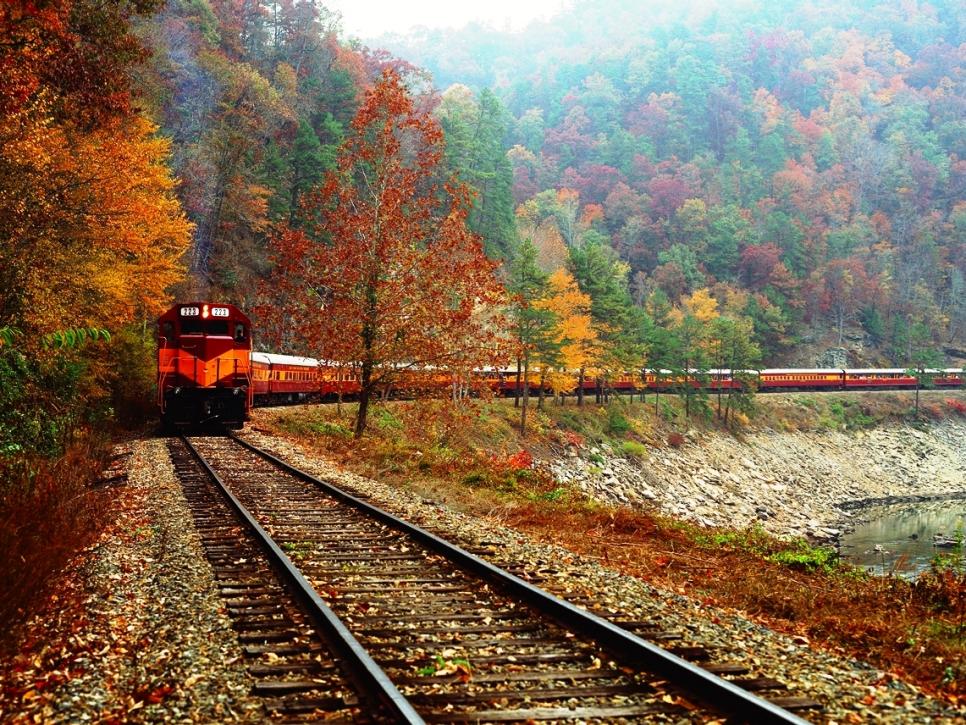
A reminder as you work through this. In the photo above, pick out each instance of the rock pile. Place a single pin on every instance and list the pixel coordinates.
(794, 484)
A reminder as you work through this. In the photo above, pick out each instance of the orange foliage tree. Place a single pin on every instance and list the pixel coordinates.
(384, 272)
(91, 233)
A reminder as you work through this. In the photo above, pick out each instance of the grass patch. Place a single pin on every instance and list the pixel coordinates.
(633, 449)
(847, 415)
(617, 423)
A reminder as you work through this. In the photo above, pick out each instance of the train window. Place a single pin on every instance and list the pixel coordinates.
(190, 326)
(239, 332)
(167, 329)
(217, 327)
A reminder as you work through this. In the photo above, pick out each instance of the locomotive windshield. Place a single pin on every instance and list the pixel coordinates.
(190, 326)
(217, 327)
(204, 327)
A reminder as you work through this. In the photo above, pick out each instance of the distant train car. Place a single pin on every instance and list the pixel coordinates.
(801, 379)
(204, 365)
(285, 378)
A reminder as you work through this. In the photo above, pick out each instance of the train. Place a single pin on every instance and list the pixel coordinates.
(208, 372)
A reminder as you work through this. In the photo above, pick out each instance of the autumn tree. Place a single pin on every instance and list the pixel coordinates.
(925, 358)
(689, 354)
(846, 290)
(732, 347)
(384, 260)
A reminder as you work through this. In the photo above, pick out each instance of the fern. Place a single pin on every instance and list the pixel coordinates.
(60, 339)
(8, 335)
(74, 337)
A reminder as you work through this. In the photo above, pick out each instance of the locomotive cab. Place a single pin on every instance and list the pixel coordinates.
(204, 365)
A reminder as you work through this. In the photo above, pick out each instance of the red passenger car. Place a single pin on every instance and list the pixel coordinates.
(285, 378)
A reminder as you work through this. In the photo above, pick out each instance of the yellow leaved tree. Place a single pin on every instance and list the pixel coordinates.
(574, 332)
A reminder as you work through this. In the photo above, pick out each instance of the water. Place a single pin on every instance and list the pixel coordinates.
(893, 528)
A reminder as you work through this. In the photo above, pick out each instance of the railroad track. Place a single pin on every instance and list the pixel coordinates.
(387, 621)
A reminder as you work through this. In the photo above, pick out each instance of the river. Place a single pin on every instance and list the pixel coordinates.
(904, 536)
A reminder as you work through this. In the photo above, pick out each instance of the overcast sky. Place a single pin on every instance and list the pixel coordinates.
(369, 18)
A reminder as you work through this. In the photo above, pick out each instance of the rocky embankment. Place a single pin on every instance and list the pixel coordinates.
(795, 484)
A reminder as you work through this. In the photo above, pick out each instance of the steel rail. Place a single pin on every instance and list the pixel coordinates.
(622, 645)
(362, 667)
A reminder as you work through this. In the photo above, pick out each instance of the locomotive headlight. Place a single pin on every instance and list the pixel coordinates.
(204, 312)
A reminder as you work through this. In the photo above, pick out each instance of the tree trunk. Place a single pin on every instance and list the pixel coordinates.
(719, 393)
(516, 392)
(541, 394)
(580, 387)
(526, 394)
(365, 392)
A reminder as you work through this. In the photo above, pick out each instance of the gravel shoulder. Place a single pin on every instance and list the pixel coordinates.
(136, 632)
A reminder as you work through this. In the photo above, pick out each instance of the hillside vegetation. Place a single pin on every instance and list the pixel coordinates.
(806, 158)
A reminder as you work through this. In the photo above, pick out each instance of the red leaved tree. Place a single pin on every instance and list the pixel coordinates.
(384, 273)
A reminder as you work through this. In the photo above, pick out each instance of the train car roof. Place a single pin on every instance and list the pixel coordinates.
(789, 371)
(272, 358)
(867, 371)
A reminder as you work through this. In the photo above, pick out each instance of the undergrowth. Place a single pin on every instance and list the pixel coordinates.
(48, 512)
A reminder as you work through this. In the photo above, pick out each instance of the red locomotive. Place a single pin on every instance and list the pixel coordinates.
(208, 372)
(204, 365)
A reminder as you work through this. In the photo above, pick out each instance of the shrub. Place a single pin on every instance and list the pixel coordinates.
(633, 448)
(675, 439)
(573, 439)
(554, 495)
(47, 513)
(956, 406)
(474, 478)
(667, 411)
(520, 461)
(933, 410)
(133, 390)
(617, 424)
(807, 557)
(40, 404)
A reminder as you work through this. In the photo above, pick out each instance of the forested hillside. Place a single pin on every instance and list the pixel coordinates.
(804, 161)
(800, 163)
